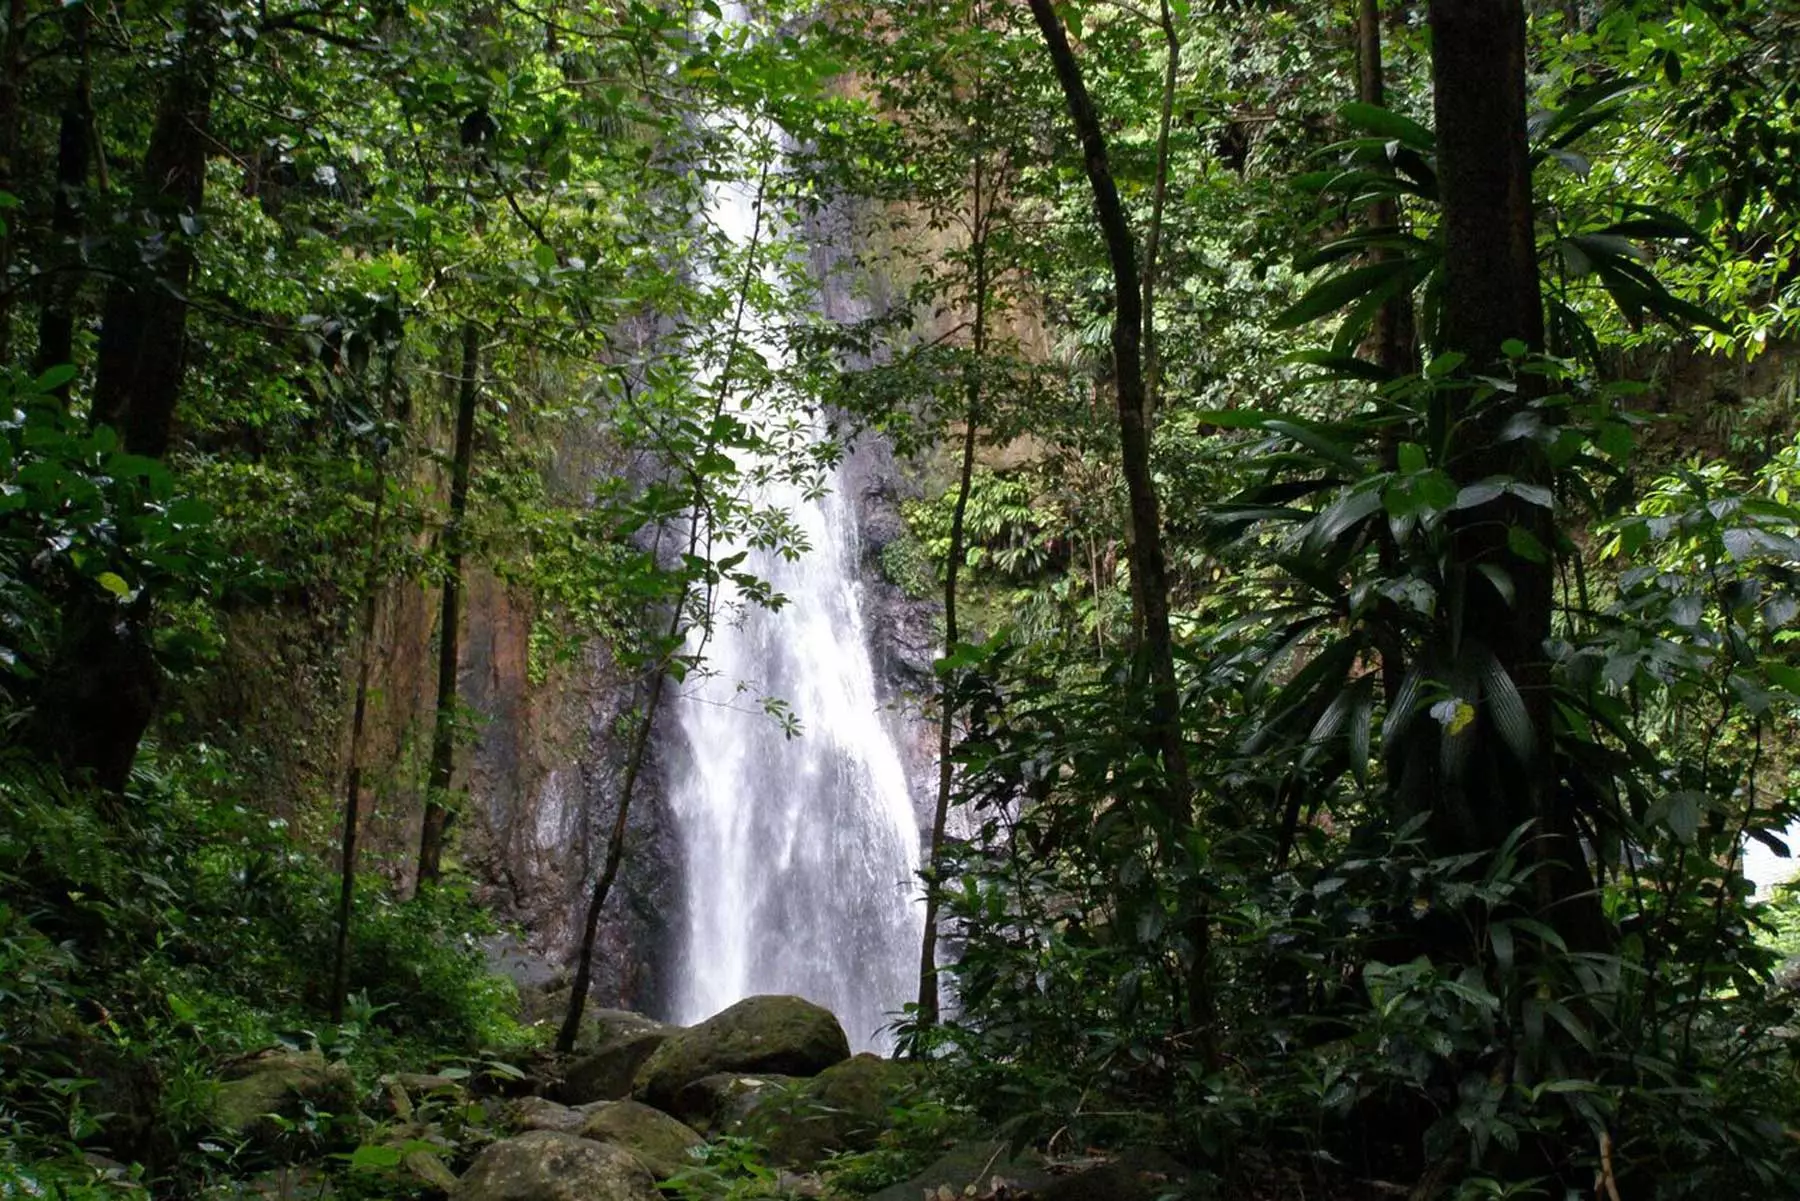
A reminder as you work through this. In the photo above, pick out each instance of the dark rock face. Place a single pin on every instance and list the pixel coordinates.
(785, 1035)
(547, 1166)
(722, 1102)
(544, 781)
(613, 1046)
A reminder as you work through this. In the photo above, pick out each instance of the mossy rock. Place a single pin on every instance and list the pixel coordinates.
(285, 1084)
(722, 1102)
(843, 1108)
(784, 1035)
(653, 1136)
(546, 1165)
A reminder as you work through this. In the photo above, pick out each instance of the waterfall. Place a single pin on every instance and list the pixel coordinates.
(800, 854)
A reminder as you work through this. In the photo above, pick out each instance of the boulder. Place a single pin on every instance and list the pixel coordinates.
(546, 1165)
(843, 1108)
(614, 1044)
(537, 1113)
(974, 1169)
(720, 1103)
(653, 1136)
(283, 1083)
(785, 1035)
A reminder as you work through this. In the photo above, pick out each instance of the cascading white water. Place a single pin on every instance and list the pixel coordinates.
(800, 854)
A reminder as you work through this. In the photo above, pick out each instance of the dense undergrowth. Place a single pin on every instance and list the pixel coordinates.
(149, 940)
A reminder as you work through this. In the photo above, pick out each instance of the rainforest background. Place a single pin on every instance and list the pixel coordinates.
(1327, 475)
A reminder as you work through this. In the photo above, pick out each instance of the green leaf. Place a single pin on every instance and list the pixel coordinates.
(113, 583)
(1336, 291)
(1386, 123)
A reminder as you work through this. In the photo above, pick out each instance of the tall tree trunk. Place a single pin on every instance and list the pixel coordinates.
(1149, 574)
(1491, 295)
(972, 417)
(104, 684)
(443, 730)
(340, 972)
(1165, 124)
(1393, 342)
(12, 87)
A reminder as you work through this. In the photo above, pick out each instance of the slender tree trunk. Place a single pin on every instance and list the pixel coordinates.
(972, 417)
(1393, 342)
(104, 683)
(1149, 575)
(340, 972)
(1165, 123)
(615, 851)
(12, 86)
(443, 731)
(56, 313)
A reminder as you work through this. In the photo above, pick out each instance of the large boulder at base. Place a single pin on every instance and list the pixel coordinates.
(786, 1035)
(721, 1102)
(974, 1169)
(549, 1166)
(653, 1136)
(843, 1108)
(614, 1044)
(283, 1083)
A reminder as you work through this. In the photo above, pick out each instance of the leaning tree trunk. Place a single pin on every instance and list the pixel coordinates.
(104, 683)
(1149, 573)
(443, 730)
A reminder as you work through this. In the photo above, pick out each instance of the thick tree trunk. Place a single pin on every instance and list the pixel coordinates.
(143, 332)
(102, 688)
(443, 731)
(1491, 295)
(1149, 575)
